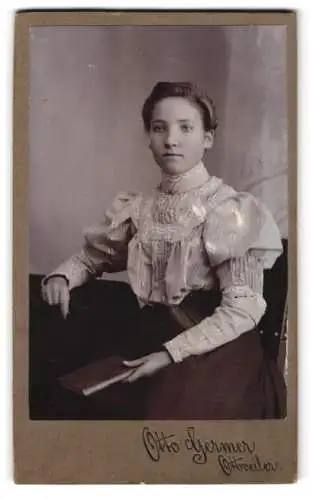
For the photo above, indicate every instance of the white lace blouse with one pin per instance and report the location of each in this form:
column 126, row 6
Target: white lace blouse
column 190, row 233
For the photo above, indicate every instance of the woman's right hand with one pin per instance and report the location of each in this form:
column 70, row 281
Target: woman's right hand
column 56, row 292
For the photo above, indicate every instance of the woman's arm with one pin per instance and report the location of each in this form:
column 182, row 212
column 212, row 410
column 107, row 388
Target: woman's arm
column 105, row 246
column 241, row 308
column 86, row 264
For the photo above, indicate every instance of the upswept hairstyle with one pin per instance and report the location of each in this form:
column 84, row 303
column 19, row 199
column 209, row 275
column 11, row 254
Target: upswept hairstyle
column 180, row 89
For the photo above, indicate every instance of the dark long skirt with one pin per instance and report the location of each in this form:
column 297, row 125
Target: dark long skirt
column 236, row 381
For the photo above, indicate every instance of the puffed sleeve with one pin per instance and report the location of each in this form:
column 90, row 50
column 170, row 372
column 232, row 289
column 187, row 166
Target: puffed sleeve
column 241, row 240
column 105, row 244
column 239, row 224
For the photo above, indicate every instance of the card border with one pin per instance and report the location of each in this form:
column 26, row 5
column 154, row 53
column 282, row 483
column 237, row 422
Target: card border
column 94, row 452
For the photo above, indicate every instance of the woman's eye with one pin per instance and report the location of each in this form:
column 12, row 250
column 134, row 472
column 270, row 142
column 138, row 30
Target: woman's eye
column 158, row 128
column 186, row 128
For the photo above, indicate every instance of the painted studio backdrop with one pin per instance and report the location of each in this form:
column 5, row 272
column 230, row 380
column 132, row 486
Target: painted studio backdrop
column 87, row 87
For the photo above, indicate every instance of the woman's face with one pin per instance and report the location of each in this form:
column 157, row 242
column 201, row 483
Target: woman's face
column 177, row 136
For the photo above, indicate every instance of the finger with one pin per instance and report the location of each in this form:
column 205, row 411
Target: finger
column 49, row 295
column 135, row 362
column 64, row 298
column 140, row 372
column 55, row 294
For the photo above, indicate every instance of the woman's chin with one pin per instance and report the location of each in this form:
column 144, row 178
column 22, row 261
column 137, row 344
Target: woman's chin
column 174, row 167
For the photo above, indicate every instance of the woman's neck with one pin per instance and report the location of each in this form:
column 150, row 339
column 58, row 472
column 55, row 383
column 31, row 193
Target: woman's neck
column 180, row 183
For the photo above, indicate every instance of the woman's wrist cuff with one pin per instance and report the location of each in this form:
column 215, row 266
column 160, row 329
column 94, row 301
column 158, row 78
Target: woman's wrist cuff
column 47, row 278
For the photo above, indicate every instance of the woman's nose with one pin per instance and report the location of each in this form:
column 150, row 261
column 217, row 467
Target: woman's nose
column 171, row 138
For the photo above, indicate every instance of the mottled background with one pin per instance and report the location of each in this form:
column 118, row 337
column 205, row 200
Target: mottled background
column 87, row 86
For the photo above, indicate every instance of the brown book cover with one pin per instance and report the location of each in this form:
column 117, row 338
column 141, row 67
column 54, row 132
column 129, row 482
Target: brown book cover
column 96, row 376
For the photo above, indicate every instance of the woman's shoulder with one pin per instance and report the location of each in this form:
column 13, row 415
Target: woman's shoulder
column 223, row 200
column 122, row 209
column 237, row 221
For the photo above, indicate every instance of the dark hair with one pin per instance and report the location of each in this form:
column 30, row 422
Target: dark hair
column 180, row 89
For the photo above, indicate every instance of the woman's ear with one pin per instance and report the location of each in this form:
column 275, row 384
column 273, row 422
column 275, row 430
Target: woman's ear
column 208, row 139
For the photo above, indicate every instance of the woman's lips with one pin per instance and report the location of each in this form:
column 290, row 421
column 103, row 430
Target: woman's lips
column 172, row 155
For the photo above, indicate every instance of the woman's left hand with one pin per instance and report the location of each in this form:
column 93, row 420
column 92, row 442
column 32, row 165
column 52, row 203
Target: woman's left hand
column 147, row 365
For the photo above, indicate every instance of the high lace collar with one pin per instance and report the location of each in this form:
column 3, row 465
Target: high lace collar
column 180, row 183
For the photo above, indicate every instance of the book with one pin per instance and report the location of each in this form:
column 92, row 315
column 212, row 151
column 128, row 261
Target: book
column 96, row 376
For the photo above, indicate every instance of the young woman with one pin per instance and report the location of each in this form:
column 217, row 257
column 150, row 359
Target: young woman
column 195, row 251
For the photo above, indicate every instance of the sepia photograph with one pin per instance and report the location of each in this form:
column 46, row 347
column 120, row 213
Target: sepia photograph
column 155, row 184
column 158, row 222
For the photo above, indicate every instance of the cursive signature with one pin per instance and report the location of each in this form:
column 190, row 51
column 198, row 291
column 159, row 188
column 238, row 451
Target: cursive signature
column 204, row 448
column 157, row 443
column 231, row 456
column 241, row 464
